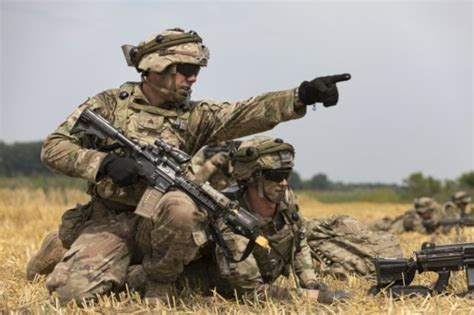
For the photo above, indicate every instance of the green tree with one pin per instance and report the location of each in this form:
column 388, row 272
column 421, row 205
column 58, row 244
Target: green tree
column 295, row 181
column 320, row 182
column 467, row 179
column 417, row 185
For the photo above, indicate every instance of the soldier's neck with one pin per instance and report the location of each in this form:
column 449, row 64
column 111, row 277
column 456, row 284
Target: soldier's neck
column 261, row 206
column 154, row 98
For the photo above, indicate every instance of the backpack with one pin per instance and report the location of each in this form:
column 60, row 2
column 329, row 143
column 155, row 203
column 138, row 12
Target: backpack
column 341, row 245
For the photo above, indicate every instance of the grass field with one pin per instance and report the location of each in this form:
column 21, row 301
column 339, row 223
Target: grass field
column 26, row 215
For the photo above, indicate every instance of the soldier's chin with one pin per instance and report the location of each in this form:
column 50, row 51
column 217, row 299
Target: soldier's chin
column 185, row 92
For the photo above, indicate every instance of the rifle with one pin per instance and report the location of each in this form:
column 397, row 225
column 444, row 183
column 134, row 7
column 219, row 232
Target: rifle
column 396, row 274
column 160, row 165
column 464, row 220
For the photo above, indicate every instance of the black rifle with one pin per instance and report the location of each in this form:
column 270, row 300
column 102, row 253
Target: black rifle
column 161, row 167
column 396, row 274
column 464, row 220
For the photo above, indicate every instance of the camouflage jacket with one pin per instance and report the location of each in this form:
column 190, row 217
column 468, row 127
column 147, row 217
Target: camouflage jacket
column 216, row 169
column 262, row 267
column 188, row 128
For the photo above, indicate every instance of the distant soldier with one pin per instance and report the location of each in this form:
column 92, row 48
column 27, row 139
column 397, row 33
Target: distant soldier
column 458, row 206
column 425, row 210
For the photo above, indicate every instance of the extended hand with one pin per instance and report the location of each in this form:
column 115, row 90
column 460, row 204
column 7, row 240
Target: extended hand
column 321, row 90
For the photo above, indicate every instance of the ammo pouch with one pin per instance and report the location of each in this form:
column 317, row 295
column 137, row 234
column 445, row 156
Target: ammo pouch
column 72, row 222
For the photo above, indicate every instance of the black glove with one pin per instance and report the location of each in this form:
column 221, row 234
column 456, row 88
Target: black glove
column 321, row 90
column 122, row 171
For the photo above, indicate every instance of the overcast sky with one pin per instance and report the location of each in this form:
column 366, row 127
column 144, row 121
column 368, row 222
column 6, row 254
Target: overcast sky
column 408, row 107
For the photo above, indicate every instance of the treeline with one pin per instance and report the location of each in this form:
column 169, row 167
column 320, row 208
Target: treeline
column 22, row 160
column 415, row 185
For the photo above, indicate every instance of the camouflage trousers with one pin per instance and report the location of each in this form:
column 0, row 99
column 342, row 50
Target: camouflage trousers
column 100, row 243
column 172, row 238
column 103, row 242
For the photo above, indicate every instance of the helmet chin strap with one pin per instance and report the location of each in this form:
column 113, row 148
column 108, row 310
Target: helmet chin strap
column 170, row 95
column 260, row 186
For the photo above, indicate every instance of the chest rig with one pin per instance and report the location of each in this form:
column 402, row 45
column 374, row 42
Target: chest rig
column 144, row 124
column 285, row 242
column 284, row 232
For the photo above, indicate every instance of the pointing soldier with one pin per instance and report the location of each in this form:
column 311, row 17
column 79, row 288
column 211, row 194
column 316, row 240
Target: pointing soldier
column 104, row 236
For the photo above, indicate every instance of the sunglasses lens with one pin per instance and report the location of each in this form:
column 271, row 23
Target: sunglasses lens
column 276, row 175
column 188, row 69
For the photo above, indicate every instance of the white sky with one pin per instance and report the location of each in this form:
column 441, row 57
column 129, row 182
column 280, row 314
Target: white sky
column 409, row 106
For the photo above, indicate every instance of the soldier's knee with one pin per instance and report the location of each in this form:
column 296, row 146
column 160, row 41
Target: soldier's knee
column 179, row 210
column 74, row 287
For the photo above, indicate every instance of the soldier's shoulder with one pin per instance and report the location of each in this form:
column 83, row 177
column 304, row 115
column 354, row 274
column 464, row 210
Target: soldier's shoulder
column 208, row 105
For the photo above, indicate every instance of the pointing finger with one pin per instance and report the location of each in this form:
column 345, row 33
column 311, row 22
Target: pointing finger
column 339, row 77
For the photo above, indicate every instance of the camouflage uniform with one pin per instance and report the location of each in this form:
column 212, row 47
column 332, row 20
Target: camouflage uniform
column 255, row 275
column 458, row 206
column 103, row 236
column 425, row 209
column 212, row 164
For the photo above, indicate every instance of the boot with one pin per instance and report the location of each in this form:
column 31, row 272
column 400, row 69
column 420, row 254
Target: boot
column 50, row 253
column 159, row 292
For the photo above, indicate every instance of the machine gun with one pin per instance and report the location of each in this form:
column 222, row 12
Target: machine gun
column 160, row 165
column 396, row 274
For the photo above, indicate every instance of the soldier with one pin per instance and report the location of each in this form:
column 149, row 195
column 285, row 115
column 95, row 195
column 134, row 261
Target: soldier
column 423, row 219
column 261, row 167
column 458, row 206
column 104, row 236
column 211, row 163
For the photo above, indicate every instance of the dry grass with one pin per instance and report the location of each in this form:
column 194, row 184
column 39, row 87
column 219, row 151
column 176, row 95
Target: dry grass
column 27, row 215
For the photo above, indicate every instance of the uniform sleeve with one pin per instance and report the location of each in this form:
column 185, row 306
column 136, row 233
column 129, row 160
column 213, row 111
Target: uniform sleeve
column 304, row 267
column 244, row 277
column 304, row 264
column 213, row 122
column 72, row 155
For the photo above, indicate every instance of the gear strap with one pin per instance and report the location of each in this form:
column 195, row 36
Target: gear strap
column 217, row 236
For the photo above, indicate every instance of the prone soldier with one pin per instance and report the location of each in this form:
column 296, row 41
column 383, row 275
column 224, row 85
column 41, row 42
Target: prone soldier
column 425, row 210
column 261, row 167
column 104, row 236
column 458, row 207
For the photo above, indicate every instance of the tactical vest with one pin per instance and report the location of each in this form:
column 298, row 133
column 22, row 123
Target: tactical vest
column 144, row 124
column 285, row 232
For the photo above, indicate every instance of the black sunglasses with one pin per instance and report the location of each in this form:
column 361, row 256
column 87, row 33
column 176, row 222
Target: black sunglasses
column 188, row 69
column 277, row 175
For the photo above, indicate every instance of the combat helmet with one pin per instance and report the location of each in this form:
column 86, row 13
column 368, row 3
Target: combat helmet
column 424, row 204
column 461, row 197
column 259, row 154
column 169, row 47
